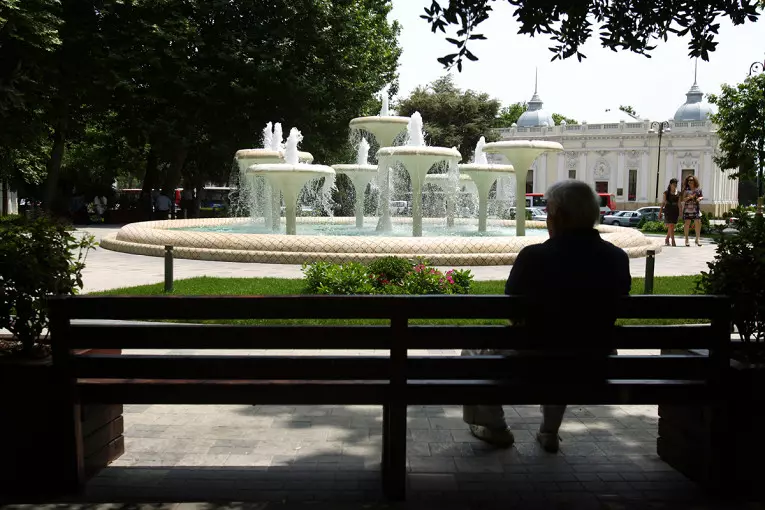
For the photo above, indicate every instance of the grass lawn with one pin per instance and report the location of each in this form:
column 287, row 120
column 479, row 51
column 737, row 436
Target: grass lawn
column 207, row 286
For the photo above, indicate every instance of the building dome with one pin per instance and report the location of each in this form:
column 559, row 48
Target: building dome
column 694, row 108
column 535, row 115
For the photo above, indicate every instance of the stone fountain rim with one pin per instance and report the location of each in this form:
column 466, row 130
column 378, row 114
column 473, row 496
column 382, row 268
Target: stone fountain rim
column 445, row 176
column 268, row 153
column 300, row 168
column 341, row 167
column 523, row 144
column 418, row 150
column 480, row 167
column 377, row 119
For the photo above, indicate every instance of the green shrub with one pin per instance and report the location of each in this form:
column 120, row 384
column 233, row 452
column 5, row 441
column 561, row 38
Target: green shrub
column 389, row 275
column 390, row 269
column 658, row 227
column 738, row 271
column 38, row 258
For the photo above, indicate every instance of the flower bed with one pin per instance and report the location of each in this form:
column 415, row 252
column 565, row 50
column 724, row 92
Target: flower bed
column 387, row 275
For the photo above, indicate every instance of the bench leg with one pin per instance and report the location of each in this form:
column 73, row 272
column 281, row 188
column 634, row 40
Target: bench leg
column 394, row 451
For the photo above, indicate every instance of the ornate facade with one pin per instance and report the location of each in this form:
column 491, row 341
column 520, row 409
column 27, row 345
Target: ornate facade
column 622, row 157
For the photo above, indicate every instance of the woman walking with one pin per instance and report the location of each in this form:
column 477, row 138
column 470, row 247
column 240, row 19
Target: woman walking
column 670, row 206
column 691, row 209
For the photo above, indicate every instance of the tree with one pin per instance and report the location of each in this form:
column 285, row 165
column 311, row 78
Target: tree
column 509, row 115
column 452, row 117
column 740, row 121
column 631, row 26
column 629, row 110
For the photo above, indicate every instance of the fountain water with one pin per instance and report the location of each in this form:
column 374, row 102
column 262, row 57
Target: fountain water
column 417, row 159
column 290, row 177
column 385, row 128
column 521, row 154
column 484, row 175
column 360, row 174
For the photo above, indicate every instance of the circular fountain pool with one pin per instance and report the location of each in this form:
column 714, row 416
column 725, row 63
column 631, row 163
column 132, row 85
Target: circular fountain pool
column 338, row 240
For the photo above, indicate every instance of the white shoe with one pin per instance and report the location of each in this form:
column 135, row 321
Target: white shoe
column 501, row 438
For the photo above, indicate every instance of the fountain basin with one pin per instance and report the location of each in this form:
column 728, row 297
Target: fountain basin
column 484, row 177
column 150, row 238
column 521, row 154
column 360, row 176
column 417, row 159
column 384, row 128
column 290, row 179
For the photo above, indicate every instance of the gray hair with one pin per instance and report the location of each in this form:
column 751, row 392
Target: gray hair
column 574, row 204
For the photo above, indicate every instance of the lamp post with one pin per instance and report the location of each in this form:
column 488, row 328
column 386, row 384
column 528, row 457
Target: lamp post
column 660, row 127
column 756, row 68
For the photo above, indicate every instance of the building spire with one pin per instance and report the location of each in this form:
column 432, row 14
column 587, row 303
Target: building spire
column 695, row 70
column 536, row 79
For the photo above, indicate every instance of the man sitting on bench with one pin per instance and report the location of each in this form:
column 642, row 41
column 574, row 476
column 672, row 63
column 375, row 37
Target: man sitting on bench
column 576, row 277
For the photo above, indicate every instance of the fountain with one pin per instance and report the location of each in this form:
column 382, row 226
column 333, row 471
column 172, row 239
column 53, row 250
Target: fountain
column 289, row 177
column 521, row 154
column 272, row 152
column 484, row 175
column 446, row 182
column 417, row 159
column 360, row 174
column 385, row 128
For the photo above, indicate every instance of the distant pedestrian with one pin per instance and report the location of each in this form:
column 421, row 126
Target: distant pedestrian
column 162, row 206
column 692, row 195
column 670, row 206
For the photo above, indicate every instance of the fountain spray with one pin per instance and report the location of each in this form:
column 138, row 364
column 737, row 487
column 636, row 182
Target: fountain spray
column 268, row 135
column 276, row 142
column 291, row 151
column 479, row 157
column 414, row 130
column 362, row 156
column 384, row 110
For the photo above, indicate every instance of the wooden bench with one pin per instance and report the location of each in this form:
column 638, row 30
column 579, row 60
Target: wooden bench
column 392, row 379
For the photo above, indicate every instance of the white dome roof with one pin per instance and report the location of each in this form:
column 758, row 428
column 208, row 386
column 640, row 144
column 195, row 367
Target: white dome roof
column 694, row 108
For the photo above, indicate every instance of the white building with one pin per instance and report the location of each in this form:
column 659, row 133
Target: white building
column 619, row 154
column 11, row 205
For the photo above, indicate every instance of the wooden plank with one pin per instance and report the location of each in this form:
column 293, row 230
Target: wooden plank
column 364, row 307
column 103, row 436
column 95, row 416
column 234, row 392
column 136, row 366
column 395, row 483
column 105, row 456
column 226, row 336
column 443, row 392
column 558, row 369
column 688, row 336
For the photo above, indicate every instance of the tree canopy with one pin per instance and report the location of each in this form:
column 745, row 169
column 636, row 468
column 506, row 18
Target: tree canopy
column 740, row 121
column 631, row 26
column 452, row 117
column 165, row 91
column 509, row 115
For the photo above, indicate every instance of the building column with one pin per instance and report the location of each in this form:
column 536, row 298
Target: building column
column 644, row 176
column 620, row 176
column 707, row 167
column 582, row 173
column 542, row 171
column 562, row 175
column 669, row 169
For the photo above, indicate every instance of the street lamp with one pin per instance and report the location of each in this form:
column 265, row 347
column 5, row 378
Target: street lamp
column 756, row 68
column 660, row 127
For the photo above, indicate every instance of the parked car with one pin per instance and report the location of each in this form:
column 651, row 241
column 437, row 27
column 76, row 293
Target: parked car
column 650, row 213
column 398, row 207
column 623, row 219
column 538, row 214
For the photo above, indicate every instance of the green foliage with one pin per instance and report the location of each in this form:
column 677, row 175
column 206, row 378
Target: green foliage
column 658, row 227
column 452, row 117
column 632, row 26
column 392, row 269
column 389, row 275
column 38, row 259
column 629, row 110
column 740, row 120
column 738, row 271
column 509, row 115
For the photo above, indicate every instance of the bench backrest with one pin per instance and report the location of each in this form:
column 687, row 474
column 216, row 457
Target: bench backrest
column 381, row 348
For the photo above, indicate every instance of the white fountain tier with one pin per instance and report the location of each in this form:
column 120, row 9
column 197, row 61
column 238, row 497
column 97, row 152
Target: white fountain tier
column 290, row 179
column 521, row 154
column 484, row 177
column 385, row 129
column 360, row 176
column 418, row 159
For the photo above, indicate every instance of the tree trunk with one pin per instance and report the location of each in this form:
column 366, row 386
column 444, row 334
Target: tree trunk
column 4, row 184
column 178, row 159
column 151, row 173
column 54, row 166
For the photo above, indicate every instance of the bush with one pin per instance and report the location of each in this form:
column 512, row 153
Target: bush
column 658, row 227
column 389, row 275
column 738, row 271
column 38, row 258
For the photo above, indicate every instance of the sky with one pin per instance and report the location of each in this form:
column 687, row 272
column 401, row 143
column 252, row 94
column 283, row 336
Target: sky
column 655, row 86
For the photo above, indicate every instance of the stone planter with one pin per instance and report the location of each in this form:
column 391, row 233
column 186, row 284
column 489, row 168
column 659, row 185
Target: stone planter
column 732, row 461
column 32, row 448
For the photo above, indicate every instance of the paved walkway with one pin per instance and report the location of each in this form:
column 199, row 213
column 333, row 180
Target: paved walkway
column 108, row 269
